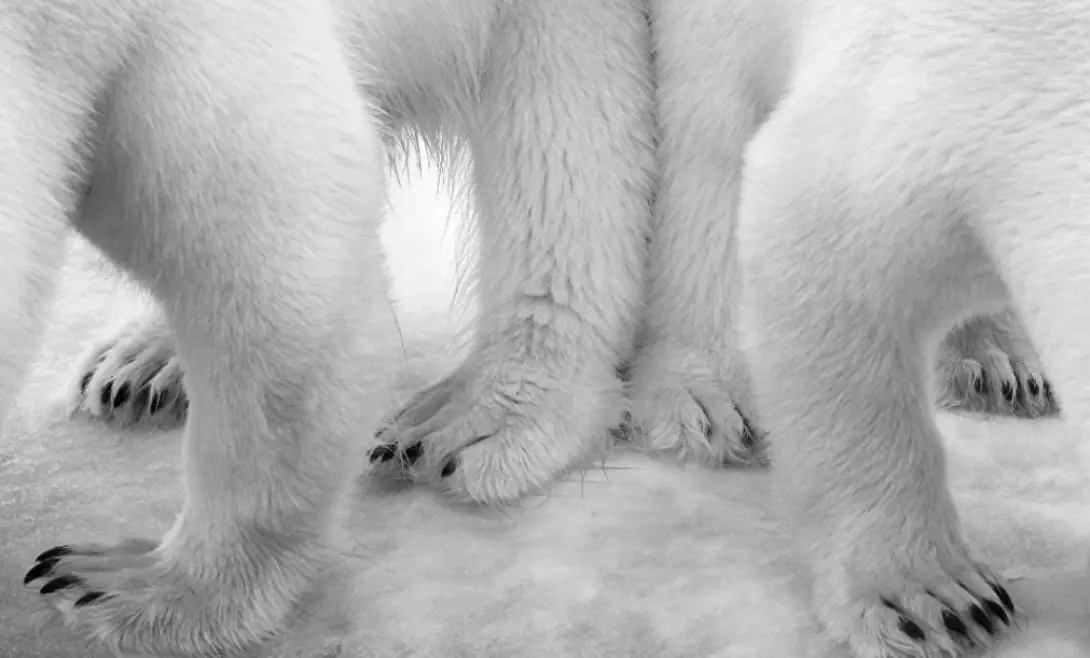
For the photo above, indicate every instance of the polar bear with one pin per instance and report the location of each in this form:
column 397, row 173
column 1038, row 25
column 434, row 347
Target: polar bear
column 184, row 141
column 228, row 155
column 551, row 102
column 919, row 163
column 561, row 268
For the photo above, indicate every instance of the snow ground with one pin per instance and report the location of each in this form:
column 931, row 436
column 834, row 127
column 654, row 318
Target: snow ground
column 641, row 559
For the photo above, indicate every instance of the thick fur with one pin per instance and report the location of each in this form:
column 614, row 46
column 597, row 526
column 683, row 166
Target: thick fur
column 551, row 102
column 924, row 162
column 216, row 178
column 560, row 268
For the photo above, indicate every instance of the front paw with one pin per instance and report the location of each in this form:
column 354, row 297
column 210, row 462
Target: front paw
column 686, row 404
column 915, row 606
column 132, row 600
column 491, row 433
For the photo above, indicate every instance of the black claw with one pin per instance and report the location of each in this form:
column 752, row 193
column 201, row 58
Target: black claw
column 40, row 570
column 413, row 452
column 997, row 611
column 980, row 386
column 954, row 624
column 122, row 395
column 911, row 629
column 1004, row 597
column 1048, row 392
column 982, row 620
column 749, row 437
column 707, row 424
column 1034, row 389
column 383, row 453
column 143, row 396
column 89, row 598
column 476, row 440
column 449, row 467
column 155, row 405
column 84, row 382
column 106, row 394
column 61, row 582
column 1008, row 392
column 56, row 551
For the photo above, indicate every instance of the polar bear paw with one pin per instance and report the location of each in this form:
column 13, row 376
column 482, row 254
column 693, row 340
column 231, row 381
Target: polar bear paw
column 491, row 433
column 917, row 609
column 689, row 405
column 132, row 377
column 981, row 372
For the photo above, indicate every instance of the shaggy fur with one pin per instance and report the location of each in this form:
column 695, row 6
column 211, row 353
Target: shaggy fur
column 637, row 559
column 924, row 163
column 230, row 160
column 559, row 267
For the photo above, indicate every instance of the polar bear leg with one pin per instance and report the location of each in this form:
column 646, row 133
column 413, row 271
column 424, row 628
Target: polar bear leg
column 853, row 271
column 562, row 143
column 690, row 390
column 250, row 212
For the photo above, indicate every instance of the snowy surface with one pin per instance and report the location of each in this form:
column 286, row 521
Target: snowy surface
column 638, row 559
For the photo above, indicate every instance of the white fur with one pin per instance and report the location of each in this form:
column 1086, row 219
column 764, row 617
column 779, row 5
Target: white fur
column 549, row 103
column 925, row 163
column 233, row 170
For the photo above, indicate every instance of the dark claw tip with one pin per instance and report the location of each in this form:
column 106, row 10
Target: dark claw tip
column 1004, row 597
column 89, row 598
column 954, row 624
column 122, row 395
column 982, row 620
column 997, row 611
column 56, row 551
column 40, row 570
column 383, row 453
column 911, row 628
column 60, row 582
column 1008, row 391
column 477, row 439
column 449, row 468
column 1034, row 389
column 84, row 382
column 413, row 452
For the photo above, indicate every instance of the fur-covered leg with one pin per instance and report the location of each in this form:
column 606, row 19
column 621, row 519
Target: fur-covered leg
column 689, row 389
column 562, row 143
column 41, row 127
column 853, row 271
column 250, row 210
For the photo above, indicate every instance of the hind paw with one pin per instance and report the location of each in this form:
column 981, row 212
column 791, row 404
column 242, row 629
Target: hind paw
column 921, row 607
column 683, row 407
column 988, row 366
column 133, row 377
column 133, row 600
